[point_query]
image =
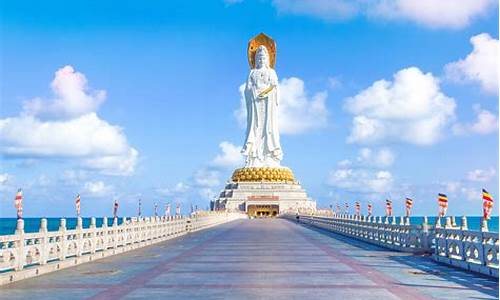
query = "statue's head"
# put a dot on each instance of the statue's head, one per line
(261, 57)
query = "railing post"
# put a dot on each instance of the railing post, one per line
(20, 255)
(115, 232)
(93, 233)
(44, 241)
(105, 236)
(484, 225)
(79, 236)
(464, 226)
(62, 239)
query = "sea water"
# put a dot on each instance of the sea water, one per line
(8, 225)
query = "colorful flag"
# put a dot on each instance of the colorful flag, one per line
(192, 208)
(388, 207)
(443, 204)
(370, 209)
(77, 204)
(338, 208)
(358, 208)
(156, 209)
(139, 211)
(167, 210)
(178, 209)
(18, 203)
(115, 209)
(487, 205)
(409, 205)
(346, 207)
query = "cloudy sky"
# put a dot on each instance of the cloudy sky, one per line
(142, 99)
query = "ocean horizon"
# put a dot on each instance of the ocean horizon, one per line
(8, 225)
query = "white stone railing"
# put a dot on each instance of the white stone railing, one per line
(475, 251)
(24, 255)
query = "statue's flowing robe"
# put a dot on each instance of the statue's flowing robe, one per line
(262, 144)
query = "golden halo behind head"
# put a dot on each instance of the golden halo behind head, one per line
(253, 45)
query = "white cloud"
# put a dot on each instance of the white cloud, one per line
(83, 135)
(297, 112)
(429, 13)
(229, 158)
(178, 190)
(377, 158)
(72, 97)
(207, 178)
(435, 14)
(98, 189)
(485, 123)
(481, 65)
(457, 189)
(361, 180)
(5, 179)
(480, 175)
(410, 109)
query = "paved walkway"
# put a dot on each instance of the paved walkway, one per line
(258, 259)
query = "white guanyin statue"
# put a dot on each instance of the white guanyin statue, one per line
(262, 144)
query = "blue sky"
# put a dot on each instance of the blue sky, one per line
(140, 99)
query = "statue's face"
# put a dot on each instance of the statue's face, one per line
(261, 58)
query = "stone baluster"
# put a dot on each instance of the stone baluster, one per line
(447, 224)
(453, 222)
(93, 233)
(407, 221)
(438, 222)
(124, 231)
(105, 235)
(79, 236)
(393, 220)
(464, 226)
(484, 225)
(115, 232)
(401, 221)
(62, 239)
(44, 241)
(20, 255)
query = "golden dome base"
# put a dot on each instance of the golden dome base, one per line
(263, 174)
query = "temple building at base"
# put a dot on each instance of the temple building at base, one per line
(273, 191)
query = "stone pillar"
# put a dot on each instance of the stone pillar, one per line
(115, 232)
(484, 225)
(393, 220)
(44, 241)
(79, 236)
(407, 221)
(62, 241)
(20, 255)
(453, 222)
(93, 230)
(438, 222)
(448, 223)
(464, 226)
(104, 229)
(401, 220)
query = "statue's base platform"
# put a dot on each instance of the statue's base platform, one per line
(264, 198)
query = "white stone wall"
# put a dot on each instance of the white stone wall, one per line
(24, 255)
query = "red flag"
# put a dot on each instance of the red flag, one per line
(358, 208)
(115, 209)
(487, 205)
(370, 208)
(409, 205)
(18, 203)
(167, 210)
(77, 204)
(388, 207)
(443, 204)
